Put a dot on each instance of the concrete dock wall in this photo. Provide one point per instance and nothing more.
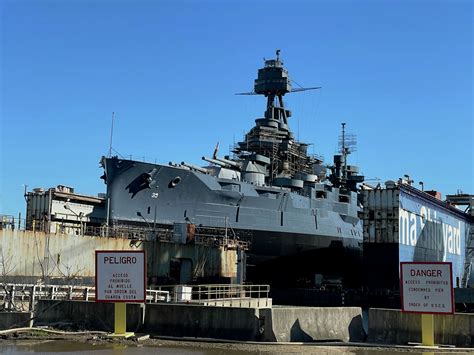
(39, 255)
(395, 327)
(202, 321)
(85, 315)
(304, 324)
(9, 320)
(27, 256)
(280, 324)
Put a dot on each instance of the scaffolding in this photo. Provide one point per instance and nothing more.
(287, 157)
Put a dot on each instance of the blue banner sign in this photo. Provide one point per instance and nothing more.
(428, 232)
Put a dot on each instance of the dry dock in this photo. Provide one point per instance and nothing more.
(29, 256)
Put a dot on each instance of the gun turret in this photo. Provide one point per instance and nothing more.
(217, 162)
(174, 165)
(194, 167)
(230, 162)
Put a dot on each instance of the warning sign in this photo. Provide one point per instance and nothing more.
(427, 287)
(120, 276)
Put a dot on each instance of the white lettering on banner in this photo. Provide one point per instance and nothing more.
(437, 234)
(413, 237)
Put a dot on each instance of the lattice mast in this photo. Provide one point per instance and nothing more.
(343, 175)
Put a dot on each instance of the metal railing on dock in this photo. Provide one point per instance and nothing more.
(225, 295)
(22, 297)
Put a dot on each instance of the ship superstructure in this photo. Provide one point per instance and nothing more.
(271, 193)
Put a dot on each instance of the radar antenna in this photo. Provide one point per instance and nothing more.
(347, 142)
(343, 175)
(347, 145)
(111, 134)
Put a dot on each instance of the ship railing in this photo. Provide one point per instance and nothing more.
(210, 237)
(12, 222)
(129, 232)
(163, 235)
(22, 297)
(316, 156)
(221, 295)
(139, 158)
(220, 237)
(213, 240)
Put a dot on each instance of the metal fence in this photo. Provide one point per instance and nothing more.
(212, 237)
(130, 232)
(220, 294)
(12, 222)
(22, 297)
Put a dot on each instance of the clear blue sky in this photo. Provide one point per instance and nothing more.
(398, 72)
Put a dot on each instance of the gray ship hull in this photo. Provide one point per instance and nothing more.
(276, 221)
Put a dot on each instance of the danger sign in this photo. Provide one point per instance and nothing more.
(427, 287)
(120, 276)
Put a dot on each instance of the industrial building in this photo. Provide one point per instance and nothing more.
(59, 209)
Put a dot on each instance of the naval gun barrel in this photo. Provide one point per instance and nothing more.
(194, 167)
(178, 166)
(217, 162)
(230, 162)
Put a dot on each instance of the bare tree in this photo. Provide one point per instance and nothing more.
(6, 268)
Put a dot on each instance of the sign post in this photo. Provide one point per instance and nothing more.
(120, 277)
(427, 288)
(427, 330)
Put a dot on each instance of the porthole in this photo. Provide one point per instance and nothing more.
(174, 182)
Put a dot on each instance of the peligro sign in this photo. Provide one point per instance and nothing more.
(120, 276)
(427, 287)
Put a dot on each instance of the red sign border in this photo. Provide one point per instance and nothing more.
(424, 263)
(144, 276)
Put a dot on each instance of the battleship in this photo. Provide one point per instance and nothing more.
(300, 215)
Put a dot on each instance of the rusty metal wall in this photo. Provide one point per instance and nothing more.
(381, 214)
(67, 256)
(37, 207)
